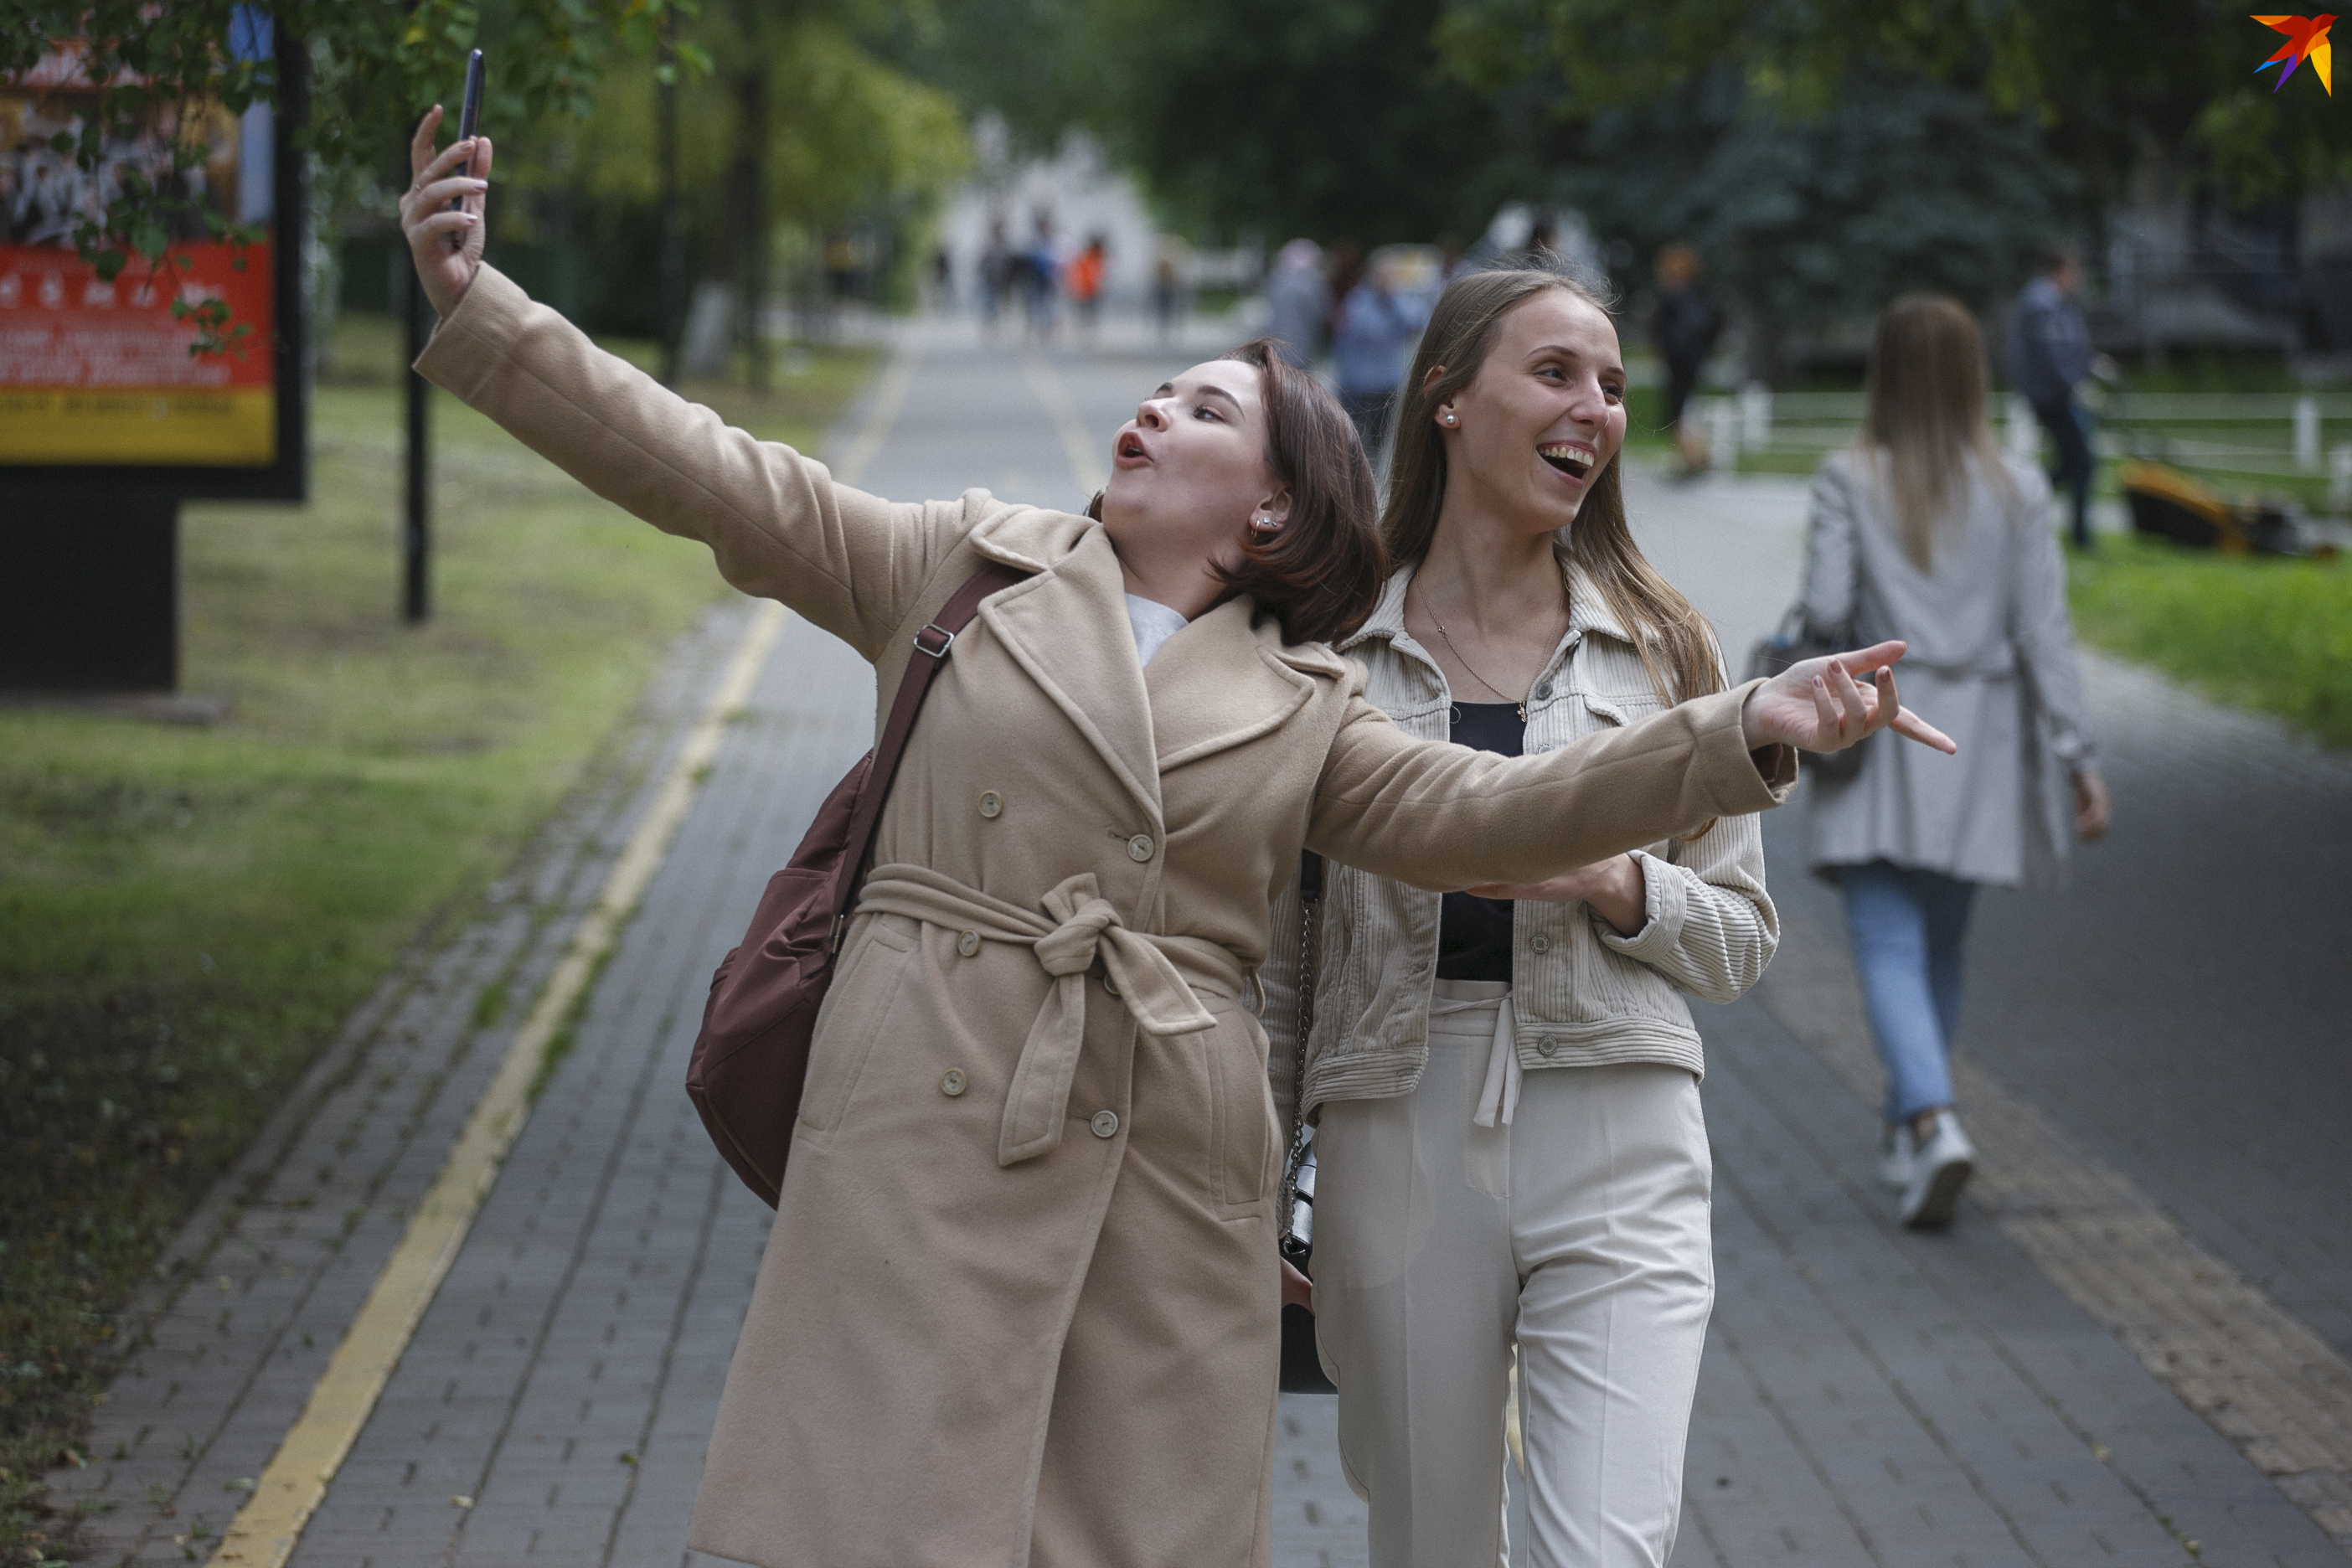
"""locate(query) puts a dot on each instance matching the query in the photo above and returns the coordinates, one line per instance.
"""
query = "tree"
(800, 126)
(1319, 117)
(1897, 185)
(2106, 82)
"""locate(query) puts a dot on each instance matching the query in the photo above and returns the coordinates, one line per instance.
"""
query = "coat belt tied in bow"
(1078, 926)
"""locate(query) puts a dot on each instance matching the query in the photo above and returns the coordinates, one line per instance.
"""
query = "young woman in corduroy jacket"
(1505, 1078)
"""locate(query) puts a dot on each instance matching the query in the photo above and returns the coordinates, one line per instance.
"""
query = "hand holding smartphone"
(469, 119)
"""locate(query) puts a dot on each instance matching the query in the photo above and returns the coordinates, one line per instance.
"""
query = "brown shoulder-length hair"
(1675, 644)
(1924, 411)
(1321, 574)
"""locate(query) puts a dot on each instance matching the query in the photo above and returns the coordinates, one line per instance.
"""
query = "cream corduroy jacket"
(1583, 995)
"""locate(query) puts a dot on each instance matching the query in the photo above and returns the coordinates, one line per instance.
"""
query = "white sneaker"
(1939, 1170)
(1894, 1157)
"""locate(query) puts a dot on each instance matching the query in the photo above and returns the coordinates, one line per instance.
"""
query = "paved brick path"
(1869, 1398)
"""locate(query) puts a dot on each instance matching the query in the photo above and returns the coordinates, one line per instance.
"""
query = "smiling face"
(1544, 414)
(1190, 474)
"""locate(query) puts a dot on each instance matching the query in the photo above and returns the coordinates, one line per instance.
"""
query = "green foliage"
(845, 133)
(1893, 186)
(192, 913)
(2264, 633)
(2107, 83)
(1320, 117)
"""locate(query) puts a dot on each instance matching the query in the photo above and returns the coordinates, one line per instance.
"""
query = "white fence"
(2254, 435)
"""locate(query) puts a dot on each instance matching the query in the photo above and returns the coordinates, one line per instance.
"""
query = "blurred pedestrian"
(1038, 279)
(1684, 327)
(1377, 322)
(1084, 277)
(1167, 291)
(2050, 357)
(997, 267)
(1299, 302)
(1923, 530)
(1515, 1150)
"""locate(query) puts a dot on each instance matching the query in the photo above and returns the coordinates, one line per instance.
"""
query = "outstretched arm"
(1442, 816)
(778, 524)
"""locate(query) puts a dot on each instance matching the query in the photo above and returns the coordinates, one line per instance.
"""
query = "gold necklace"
(1430, 611)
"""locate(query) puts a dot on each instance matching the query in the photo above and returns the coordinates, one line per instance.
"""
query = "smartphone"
(468, 117)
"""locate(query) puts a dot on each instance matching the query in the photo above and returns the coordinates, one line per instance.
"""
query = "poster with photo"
(98, 373)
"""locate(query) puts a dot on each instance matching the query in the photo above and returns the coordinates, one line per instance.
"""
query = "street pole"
(417, 534)
(672, 286)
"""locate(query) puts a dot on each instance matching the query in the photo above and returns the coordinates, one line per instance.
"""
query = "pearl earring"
(1450, 419)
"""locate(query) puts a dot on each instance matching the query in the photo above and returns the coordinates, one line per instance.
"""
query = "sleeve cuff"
(1665, 904)
(471, 339)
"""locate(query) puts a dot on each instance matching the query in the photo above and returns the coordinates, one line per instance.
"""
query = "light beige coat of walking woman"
(1019, 1305)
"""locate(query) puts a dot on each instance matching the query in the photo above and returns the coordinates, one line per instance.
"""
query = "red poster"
(101, 372)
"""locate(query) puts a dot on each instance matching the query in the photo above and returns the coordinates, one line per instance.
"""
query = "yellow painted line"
(286, 1494)
(889, 401)
(1086, 461)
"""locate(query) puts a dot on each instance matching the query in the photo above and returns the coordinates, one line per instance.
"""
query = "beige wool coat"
(1020, 1302)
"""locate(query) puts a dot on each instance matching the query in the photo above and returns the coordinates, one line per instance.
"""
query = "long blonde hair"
(1674, 642)
(1924, 412)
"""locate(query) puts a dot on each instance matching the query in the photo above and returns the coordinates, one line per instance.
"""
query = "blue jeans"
(1907, 926)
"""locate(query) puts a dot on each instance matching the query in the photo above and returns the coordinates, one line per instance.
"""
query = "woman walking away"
(1510, 1143)
(1922, 531)
(1019, 1306)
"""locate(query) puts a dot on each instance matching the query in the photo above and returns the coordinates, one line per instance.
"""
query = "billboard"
(97, 378)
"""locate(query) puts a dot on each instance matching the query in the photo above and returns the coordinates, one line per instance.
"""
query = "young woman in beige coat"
(1020, 1302)
(1511, 1147)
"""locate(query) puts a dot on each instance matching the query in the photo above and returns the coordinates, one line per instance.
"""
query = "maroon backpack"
(752, 1058)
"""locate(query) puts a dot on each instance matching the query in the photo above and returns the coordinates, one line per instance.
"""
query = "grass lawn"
(191, 912)
(2263, 633)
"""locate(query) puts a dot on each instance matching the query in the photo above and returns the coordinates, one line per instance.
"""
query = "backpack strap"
(933, 641)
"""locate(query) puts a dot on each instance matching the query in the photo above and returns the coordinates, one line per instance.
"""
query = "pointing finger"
(1908, 722)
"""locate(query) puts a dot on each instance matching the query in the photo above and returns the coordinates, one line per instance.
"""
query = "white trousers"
(1577, 1226)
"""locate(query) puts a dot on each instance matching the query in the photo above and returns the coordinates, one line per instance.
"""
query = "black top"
(1474, 935)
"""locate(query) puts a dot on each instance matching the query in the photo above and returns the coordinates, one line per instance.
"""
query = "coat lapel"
(1222, 680)
(1067, 628)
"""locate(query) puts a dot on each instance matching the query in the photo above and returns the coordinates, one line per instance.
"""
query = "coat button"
(1543, 688)
(1140, 847)
(952, 1082)
(991, 804)
(1105, 1123)
(1547, 1046)
(1109, 985)
(1540, 942)
(968, 943)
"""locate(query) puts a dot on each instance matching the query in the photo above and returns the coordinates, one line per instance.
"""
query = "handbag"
(1302, 1369)
(1793, 641)
(751, 1058)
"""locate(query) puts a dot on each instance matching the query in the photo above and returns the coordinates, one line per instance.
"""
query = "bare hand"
(1614, 888)
(2093, 808)
(1819, 706)
(437, 180)
(1298, 1290)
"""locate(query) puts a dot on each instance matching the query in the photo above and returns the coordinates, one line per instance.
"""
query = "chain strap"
(1310, 902)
